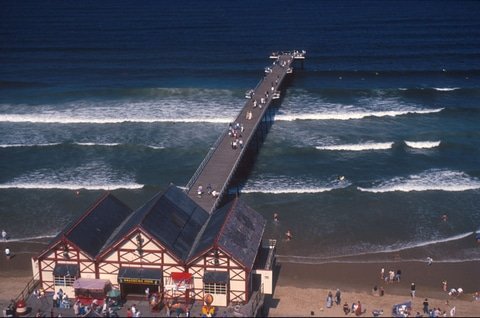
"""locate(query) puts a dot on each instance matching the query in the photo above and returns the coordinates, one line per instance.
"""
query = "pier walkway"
(222, 161)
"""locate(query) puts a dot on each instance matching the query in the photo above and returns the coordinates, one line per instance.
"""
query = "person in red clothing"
(129, 313)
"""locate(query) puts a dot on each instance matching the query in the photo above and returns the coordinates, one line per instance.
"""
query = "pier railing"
(29, 288)
(205, 160)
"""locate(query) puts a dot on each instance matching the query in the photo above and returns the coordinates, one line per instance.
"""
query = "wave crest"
(347, 115)
(358, 147)
(59, 119)
(422, 144)
(286, 185)
(72, 186)
(431, 180)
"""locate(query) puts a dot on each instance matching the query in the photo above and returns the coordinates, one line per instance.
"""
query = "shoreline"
(305, 286)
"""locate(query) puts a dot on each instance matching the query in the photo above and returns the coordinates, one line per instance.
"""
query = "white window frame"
(215, 288)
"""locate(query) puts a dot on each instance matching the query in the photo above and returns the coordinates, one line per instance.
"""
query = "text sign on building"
(140, 281)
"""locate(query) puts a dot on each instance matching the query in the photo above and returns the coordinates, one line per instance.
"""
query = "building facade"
(169, 246)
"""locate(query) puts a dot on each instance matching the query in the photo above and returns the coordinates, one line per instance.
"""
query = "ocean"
(129, 96)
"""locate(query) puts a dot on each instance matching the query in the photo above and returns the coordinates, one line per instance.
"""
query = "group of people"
(60, 300)
(356, 308)
(330, 299)
(210, 191)
(235, 131)
(133, 311)
(391, 276)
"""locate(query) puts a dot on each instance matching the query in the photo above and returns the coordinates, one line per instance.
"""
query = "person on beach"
(358, 309)
(329, 301)
(425, 306)
(4, 235)
(412, 290)
(444, 285)
(346, 308)
(382, 273)
(8, 254)
(398, 275)
(338, 297)
(289, 235)
(452, 311)
(275, 217)
(429, 261)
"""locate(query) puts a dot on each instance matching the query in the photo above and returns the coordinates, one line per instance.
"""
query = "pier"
(215, 173)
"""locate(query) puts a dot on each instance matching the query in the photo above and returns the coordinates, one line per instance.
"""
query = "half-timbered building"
(170, 245)
(73, 252)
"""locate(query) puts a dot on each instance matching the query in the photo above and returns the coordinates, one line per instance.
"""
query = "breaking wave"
(29, 145)
(59, 119)
(292, 186)
(358, 147)
(446, 89)
(71, 186)
(422, 144)
(431, 180)
(348, 115)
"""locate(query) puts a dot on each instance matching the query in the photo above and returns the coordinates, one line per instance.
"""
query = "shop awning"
(178, 276)
(215, 277)
(72, 270)
(140, 275)
(92, 284)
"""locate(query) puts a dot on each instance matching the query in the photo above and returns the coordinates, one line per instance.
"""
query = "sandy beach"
(301, 290)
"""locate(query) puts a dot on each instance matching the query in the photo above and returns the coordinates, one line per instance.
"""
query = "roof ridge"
(73, 225)
(227, 218)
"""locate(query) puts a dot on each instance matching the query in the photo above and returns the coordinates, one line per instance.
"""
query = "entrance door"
(137, 291)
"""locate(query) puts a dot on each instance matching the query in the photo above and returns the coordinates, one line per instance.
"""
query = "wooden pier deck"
(222, 161)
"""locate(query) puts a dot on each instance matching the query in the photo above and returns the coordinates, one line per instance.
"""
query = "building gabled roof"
(175, 220)
(171, 218)
(93, 228)
(236, 229)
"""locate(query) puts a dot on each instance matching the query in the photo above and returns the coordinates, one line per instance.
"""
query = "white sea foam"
(422, 144)
(60, 119)
(94, 175)
(156, 147)
(111, 144)
(288, 190)
(29, 145)
(348, 115)
(431, 180)
(30, 238)
(72, 186)
(446, 89)
(358, 147)
(285, 185)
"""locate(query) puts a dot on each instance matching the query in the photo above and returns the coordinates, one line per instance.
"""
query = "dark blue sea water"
(129, 96)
